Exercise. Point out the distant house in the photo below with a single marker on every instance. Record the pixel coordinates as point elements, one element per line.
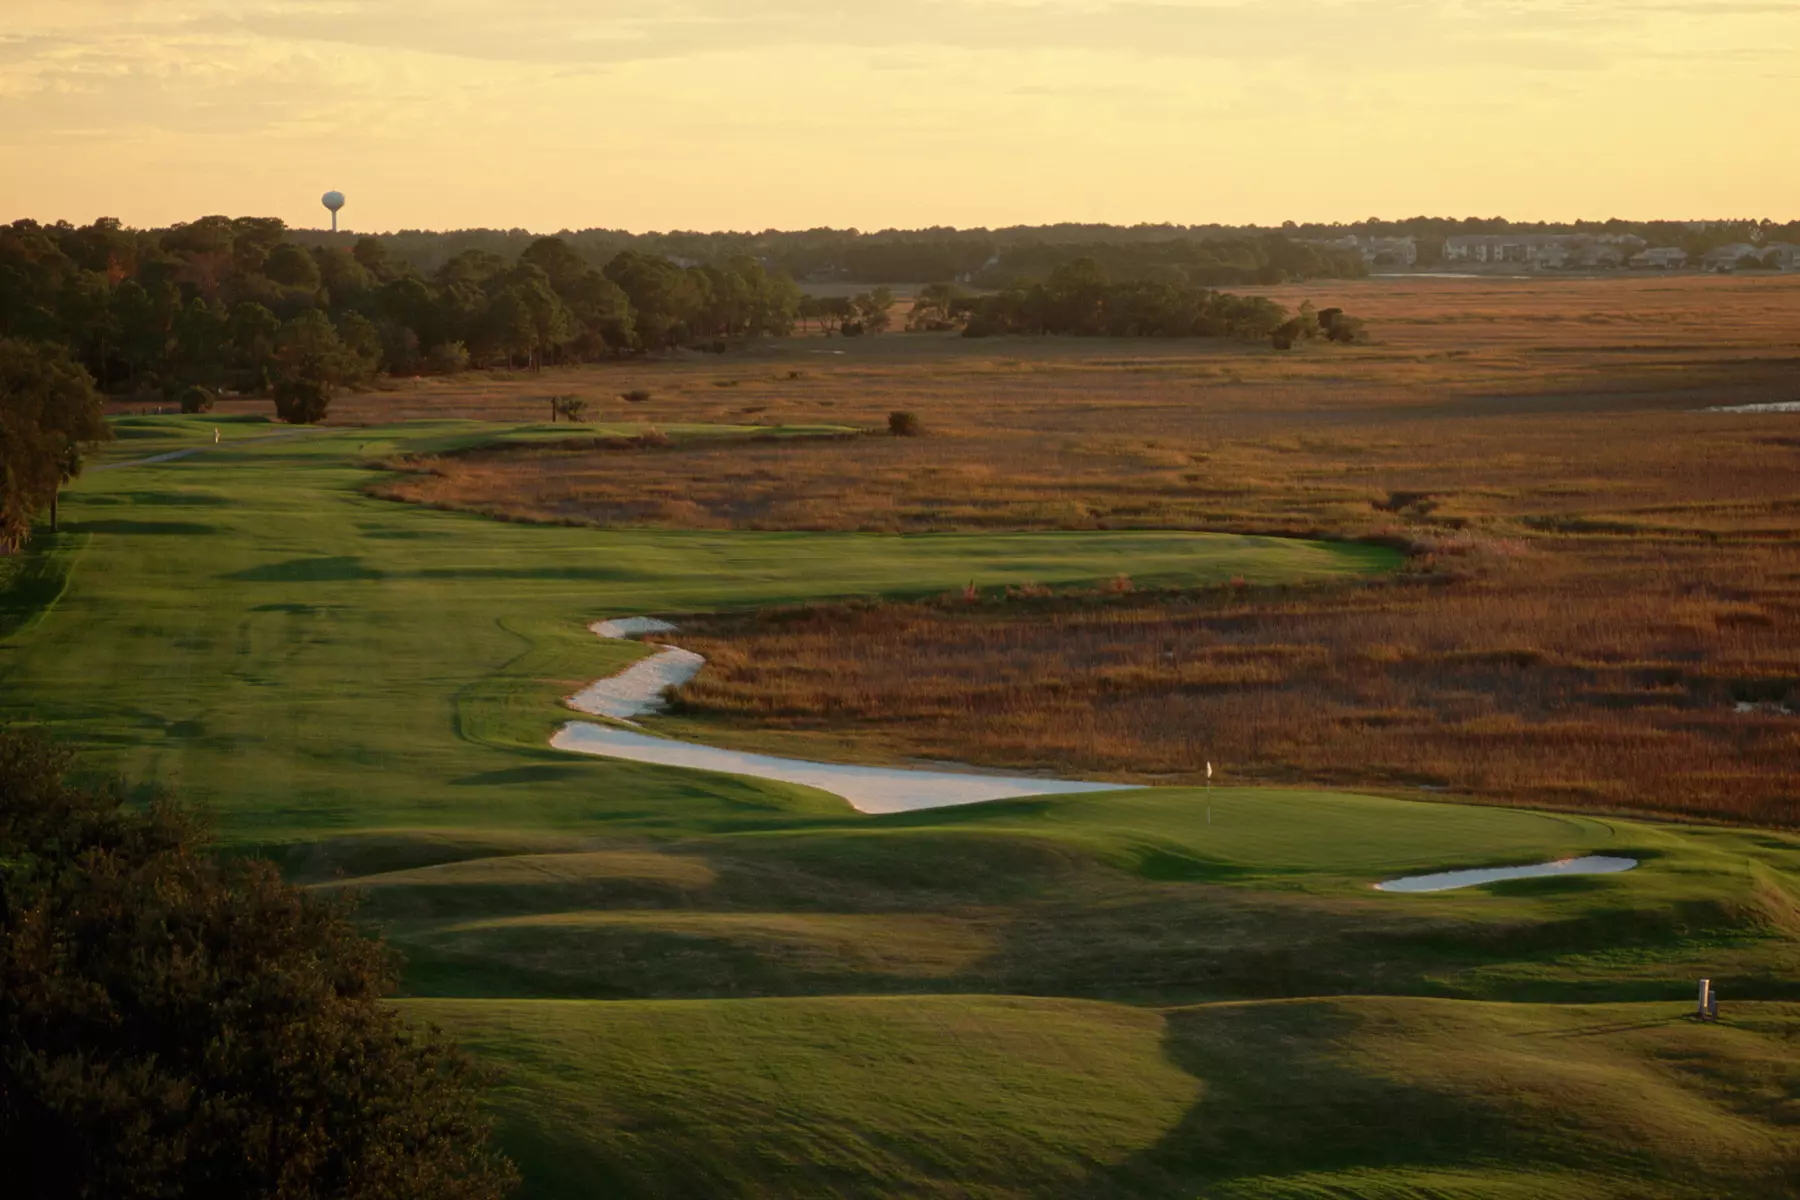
<point>1724,258</point>
<point>1782,256</point>
<point>1377,251</point>
<point>1392,252</point>
<point>1660,257</point>
<point>1541,251</point>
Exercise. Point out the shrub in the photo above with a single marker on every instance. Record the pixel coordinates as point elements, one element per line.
<point>301,401</point>
<point>1339,326</point>
<point>569,408</point>
<point>904,424</point>
<point>196,399</point>
<point>176,1024</point>
<point>635,396</point>
<point>447,358</point>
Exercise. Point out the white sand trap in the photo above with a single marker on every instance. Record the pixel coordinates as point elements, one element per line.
<point>868,789</point>
<point>1444,881</point>
<point>1774,406</point>
<point>638,689</point>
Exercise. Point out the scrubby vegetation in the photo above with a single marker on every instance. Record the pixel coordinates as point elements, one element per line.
<point>1080,298</point>
<point>176,1024</point>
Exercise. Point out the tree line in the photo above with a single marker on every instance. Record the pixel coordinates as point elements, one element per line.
<point>235,303</point>
<point>1213,255</point>
<point>1082,299</point>
<point>1210,254</point>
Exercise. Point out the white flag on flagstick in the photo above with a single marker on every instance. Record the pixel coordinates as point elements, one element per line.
<point>1209,770</point>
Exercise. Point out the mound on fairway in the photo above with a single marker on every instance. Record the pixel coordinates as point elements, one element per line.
<point>1012,1097</point>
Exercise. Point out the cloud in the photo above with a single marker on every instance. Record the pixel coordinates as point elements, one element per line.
<point>1523,33</point>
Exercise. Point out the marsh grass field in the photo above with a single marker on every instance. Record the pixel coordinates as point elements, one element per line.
<point>1600,609</point>
<point>708,985</point>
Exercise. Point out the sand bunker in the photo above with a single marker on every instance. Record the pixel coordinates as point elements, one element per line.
<point>869,789</point>
<point>639,688</point>
<point>1444,881</point>
<point>1774,406</point>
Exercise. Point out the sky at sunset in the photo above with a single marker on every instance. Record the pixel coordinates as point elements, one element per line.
<point>550,114</point>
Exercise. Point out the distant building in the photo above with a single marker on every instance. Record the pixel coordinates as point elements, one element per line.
<point>1541,251</point>
<point>1724,258</point>
<point>1661,257</point>
<point>1377,251</point>
<point>1782,256</point>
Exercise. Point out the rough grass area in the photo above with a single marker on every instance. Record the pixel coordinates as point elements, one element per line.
<point>1671,692</point>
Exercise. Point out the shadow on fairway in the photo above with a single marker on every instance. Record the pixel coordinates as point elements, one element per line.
<point>517,775</point>
<point>161,499</point>
<point>308,570</point>
<point>1283,1096</point>
<point>149,527</point>
<point>600,574</point>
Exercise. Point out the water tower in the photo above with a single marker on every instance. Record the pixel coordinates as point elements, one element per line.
<point>333,201</point>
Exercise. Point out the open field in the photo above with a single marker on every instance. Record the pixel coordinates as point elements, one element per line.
<point>716,986</point>
<point>1603,609</point>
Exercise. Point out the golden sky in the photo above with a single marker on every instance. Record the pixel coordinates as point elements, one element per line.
<point>708,114</point>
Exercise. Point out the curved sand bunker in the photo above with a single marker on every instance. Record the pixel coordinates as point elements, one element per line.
<point>639,688</point>
<point>1444,881</point>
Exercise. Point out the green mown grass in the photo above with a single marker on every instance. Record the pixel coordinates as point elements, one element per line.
<point>1005,1096</point>
<point>312,662</point>
<point>699,984</point>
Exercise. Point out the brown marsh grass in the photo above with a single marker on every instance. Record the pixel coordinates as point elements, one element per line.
<point>1603,610</point>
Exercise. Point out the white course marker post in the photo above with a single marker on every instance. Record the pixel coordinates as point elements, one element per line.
<point>1706,1000</point>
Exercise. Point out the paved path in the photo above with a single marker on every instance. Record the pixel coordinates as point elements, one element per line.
<point>171,456</point>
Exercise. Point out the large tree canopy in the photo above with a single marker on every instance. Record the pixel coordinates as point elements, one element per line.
<point>48,408</point>
<point>176,1025</point>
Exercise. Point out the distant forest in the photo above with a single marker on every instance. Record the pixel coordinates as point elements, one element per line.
<point>248,306</point>
<point>980,257</point>
<point>1201,255</point>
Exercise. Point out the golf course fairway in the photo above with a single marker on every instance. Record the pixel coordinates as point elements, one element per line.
<point>697,984</point>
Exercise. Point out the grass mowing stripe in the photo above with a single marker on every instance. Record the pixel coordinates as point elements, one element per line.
<point>34,579</point>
